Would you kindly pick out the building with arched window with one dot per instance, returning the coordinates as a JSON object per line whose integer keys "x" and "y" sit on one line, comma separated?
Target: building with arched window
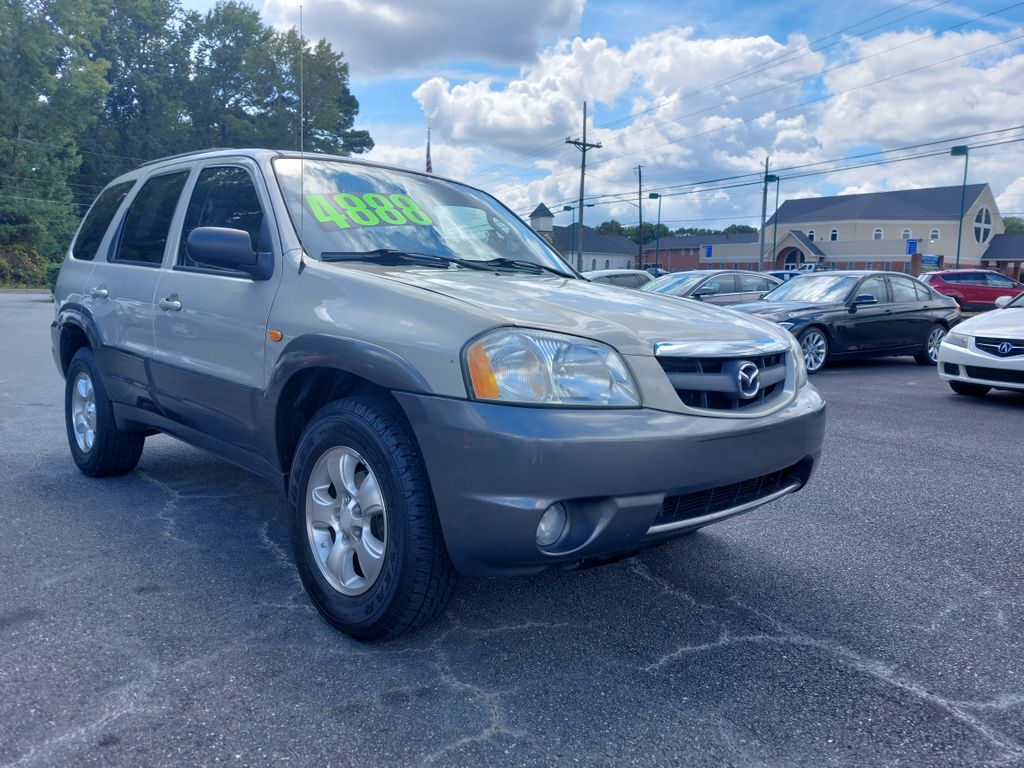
{"x": 878, "y": 228}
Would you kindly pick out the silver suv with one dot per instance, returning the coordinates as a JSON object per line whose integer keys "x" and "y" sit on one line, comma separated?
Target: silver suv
{"x": 433, "y": 387}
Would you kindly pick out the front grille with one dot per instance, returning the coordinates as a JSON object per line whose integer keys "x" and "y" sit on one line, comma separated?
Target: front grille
{"x": 687, "y": 506}
{"x": 1014, "y": 347}
{"x": 995, "y": 374}
{"x": 712, "y": 383}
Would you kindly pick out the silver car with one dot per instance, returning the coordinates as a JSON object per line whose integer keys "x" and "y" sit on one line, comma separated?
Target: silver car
{"x": 714, "y": 286}
{"x": 434, "y": 389}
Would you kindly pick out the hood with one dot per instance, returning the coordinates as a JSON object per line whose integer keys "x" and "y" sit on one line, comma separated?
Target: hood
{"x": 630, "y": 321}
{"x": 778, "y": 310}
{"x": 1000, "y": 323}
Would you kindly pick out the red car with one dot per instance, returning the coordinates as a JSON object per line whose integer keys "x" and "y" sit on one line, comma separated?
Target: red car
{"x": 975, "y": 290}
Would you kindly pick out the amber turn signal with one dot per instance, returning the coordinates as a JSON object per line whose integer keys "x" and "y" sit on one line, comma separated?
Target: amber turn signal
{"x": 274, "y": 335}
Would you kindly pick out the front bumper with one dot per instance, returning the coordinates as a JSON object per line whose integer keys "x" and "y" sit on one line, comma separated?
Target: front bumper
{"x": 973, "y": 366}
{"x": 495, "y": 469}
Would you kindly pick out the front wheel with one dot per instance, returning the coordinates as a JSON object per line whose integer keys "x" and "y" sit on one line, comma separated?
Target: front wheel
{"x": 970, "y": 390}
{"x": 367, "y": 540}
{"x": 814, "y": 343}
{"x": 929, "y": 354}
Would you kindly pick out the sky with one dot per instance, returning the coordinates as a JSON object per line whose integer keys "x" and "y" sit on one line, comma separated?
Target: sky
{"x": 698, "y": 94}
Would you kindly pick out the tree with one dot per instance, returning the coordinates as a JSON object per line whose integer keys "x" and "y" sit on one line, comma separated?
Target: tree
{"x": 1014, "y": 225}
{"x": 52, "y": 89}
{"x": 611, "y": 227}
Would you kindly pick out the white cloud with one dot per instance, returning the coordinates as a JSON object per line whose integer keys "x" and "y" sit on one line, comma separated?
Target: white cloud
{"x": 450, "y": 161}
{"x": 703, "y": 109}
{"x": 387, "y": 36}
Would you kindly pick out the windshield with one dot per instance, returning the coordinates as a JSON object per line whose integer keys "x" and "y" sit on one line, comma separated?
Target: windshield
{"x": 1017, "y": 303}
{"x": 824, "y": 288}
{"x": 346, "y": 209}
{"x": 672, "y": 284}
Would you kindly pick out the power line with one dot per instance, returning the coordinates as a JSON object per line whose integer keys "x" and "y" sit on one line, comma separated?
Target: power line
{"x": 619, "y": 137}
{"x": 754, "y": 69}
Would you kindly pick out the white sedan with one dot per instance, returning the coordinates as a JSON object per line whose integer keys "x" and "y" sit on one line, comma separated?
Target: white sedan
{"x": 987, "y": 351}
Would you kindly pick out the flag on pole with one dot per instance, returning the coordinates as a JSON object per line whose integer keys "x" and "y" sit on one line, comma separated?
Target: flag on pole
{"x": 430, "y": 166}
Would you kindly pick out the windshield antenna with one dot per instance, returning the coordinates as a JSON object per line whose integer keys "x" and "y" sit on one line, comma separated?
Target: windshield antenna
{"x": 302, "y": 149}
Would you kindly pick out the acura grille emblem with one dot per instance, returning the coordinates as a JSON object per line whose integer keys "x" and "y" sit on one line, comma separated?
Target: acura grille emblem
{"x": 1005, "y": 348}
{"x": 749, "y": 379}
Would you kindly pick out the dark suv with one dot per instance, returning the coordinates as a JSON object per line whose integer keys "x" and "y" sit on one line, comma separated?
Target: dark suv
{"x": 975, "y": 290}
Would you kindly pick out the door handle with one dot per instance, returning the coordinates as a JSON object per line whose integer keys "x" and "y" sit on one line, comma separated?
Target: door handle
{"x": 170, "y": 304}
{"x": 99, "y": 293}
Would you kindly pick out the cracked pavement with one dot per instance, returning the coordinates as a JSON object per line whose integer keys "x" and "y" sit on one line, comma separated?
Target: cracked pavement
{"x": 874, "y": 618}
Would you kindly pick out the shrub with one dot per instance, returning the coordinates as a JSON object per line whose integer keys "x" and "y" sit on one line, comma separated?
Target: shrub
{"x": 52, "y": 270}
{"x": 22, "y": 266}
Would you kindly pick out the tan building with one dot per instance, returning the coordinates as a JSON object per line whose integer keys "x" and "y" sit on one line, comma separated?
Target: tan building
{"x": 907, "y": 230}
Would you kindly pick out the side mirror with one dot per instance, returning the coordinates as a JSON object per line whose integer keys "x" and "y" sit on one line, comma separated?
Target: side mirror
{"x": 865, "y": 298}
{"x": 1002, "y": 301}
{"x": 700, "y": 293}
{"x": 225, "y": 248}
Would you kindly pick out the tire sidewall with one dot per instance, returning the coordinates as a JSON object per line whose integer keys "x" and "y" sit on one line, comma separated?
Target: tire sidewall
{"x": 84, "y": 362}
{"x": 346, "y": 427}
{"x": 828, "y": 346}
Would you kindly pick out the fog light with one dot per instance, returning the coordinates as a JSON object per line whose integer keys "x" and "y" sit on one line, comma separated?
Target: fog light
{"x": 552, "y": 525}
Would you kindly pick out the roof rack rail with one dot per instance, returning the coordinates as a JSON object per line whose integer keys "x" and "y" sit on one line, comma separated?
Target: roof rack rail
{"x": 185, "y": 154}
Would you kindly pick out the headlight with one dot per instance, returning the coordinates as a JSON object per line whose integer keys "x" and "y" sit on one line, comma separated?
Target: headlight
{"x": 518, "y": 366}
{"x": 798, "y": 361}
{"x": 955, "y": 339}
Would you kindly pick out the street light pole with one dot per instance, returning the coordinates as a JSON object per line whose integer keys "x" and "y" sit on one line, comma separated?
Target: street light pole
{"x": 657, "y": 242}
{"x": 775, "y": 216}
{"x": 961, "y": 150}
{"x": 764, "y": 206}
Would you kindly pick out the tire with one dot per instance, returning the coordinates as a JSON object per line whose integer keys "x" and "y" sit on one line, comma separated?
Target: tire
{"x": 98, "y": 447}
{"x": 372, "y": 559}
{"x": 814, "y": 343}
{"x": 929, "y": 354}
{"x": 970, "y": 390}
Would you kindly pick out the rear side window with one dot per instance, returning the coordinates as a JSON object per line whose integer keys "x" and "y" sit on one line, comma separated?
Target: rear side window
{"x": 224, "y": 197}
{"x": 149, "y": 218}
{"x": 754, "y": 283}
{"x": 903, "y": 289}
{"x": 923, "y": 294}
{"x": 98, "y": 220}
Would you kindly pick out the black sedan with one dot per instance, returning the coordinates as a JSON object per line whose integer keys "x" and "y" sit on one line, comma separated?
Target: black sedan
{"x": 839, "y": 315}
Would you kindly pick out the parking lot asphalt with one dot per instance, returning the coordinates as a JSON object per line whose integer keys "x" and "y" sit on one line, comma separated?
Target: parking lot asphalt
{"x": 874, "y": 618}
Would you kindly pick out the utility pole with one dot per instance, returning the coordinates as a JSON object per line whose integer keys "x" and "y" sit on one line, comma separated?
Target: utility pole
{"x": 764, "y": 212}
{"x": 640, "y": 205}
{"x": 582, "y": 146}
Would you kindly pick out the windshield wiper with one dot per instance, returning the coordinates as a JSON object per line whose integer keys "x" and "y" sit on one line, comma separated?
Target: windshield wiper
{"x": 394, "y": 256}
{"x": 531, "y": 266}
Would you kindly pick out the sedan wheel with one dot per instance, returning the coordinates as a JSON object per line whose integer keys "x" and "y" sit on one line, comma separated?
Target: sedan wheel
{"x": 929, "y": 354}
{"x": 815, "y": 346}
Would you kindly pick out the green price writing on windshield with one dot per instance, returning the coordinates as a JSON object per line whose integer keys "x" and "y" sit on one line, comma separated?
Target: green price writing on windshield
{"x": 369, "y": 210}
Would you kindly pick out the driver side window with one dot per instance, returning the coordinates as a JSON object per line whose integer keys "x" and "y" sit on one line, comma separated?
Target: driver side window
{"x": 874, "y": 286}
{"x": 224, "y": 197}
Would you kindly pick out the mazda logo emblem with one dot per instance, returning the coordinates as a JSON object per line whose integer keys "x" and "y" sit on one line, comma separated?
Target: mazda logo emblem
{"x": 1005, "y": 348}
{"x": 749, "y": 379}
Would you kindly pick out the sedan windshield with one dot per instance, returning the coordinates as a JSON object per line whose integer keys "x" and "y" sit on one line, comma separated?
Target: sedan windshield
{"x": 1017, "y": 303}
{"x": 816, "y": 288}
{"x": 673, "y": 285}
{"x": 344, "y": 211}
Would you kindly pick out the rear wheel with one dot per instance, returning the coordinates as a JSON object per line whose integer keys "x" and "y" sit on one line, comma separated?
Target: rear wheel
{"x": 367, "y": 540}
{"x": 98, "y": 447}
{"x": 814, "y": 343}
{"x": 929, "y": 354}
{"x": 970, "y": 390}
